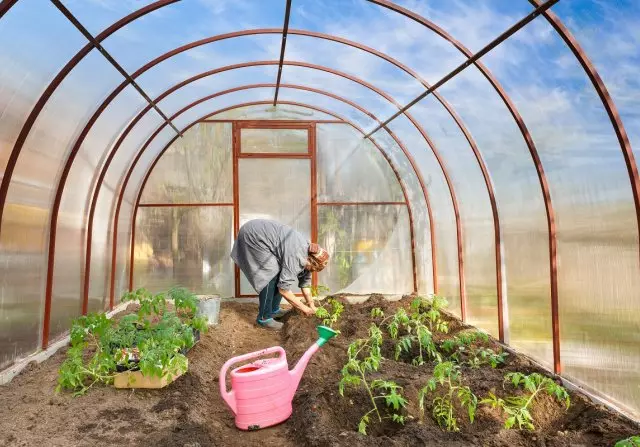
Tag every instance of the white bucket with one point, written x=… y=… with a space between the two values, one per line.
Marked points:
x=209 y=307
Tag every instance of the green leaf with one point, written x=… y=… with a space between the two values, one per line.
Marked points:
x=632 y=441
x=362 y=425
x=398 y=418
x=509 y=422
x=395 y=400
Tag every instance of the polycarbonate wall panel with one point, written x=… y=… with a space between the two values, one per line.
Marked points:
x=269 y=112
x=423 y=248
x=520 y=206
x=184 y=22
x=123 y=251
x=352 y=169
x=442 y=209
x=278 y=189
x=608 y=34
x=34 y=183
x=417 y=202
x=130 y=195
x=476 y=219
x=370 y=248
x=598 y=280
x=46 y=44
x=197 y=168
x=78 y=193
x=130 y=146
x=189 y=247
x=101 y=249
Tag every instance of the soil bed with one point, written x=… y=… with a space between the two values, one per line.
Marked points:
x=190 y=411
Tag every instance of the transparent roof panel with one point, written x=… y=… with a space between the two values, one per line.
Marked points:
x=214 y=105
x=218 y=83
x=131 y=145
x=474 y=23
x=110 y=124
x=342 y=109
x=590 y=189
x=608 y=33
x=98 y=15
x=521 y=207
x=185 y=22
x=351 y=90
x=356 y=62
x=380 y=28
x=26 y=69
x=352 y=169
x=208 y=57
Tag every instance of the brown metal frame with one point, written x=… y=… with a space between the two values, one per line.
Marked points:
x=31 y=119
x=55 y=83
x=359 y=203
x=157 y=158
x=472 y=59
x=137 y=118
x=609 y=105
x=310 y=155
x=188 y=204
x=364 y=48
x=96 y=44
x=542 y=178
x=5 y=6
x=111 y=155
x=614 y=117
x=126 y=179
x=283 y=46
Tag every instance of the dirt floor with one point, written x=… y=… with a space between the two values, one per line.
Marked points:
x=190 y=412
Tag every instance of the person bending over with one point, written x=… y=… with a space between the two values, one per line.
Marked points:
x=273 y=256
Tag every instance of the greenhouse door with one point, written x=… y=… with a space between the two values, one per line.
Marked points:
x=274 y=176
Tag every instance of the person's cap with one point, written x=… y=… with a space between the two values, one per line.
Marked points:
x=318 y=253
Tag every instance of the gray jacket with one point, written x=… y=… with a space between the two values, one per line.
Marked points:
x=265 y=249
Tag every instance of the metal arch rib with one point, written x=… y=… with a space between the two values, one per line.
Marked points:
x=152 y=137
x=542 y=178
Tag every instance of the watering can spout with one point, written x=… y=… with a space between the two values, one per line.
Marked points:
x=325 y=334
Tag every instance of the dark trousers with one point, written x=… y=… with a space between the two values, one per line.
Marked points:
x=269 y=299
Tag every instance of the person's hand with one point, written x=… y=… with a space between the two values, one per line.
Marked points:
x=308 y=311
x=313 y=307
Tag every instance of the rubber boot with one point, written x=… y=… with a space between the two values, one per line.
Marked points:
x=270 y=324
x=279 y=314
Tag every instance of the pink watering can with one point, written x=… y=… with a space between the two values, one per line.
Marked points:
x=262 y=391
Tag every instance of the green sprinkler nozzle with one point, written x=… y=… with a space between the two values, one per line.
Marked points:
x=326 y=334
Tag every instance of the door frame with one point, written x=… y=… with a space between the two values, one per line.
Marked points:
x=310 y=127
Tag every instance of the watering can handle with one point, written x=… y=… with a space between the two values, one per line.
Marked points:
x=228 y=395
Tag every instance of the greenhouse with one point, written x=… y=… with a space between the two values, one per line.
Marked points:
x=469 y=167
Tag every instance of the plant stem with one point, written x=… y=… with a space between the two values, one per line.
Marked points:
x=532 y=396
x=366 y=385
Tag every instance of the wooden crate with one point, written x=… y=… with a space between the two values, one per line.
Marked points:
x=135 y=379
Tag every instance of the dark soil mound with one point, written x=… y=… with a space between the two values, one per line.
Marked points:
x=190 y=411
x=323 y=418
